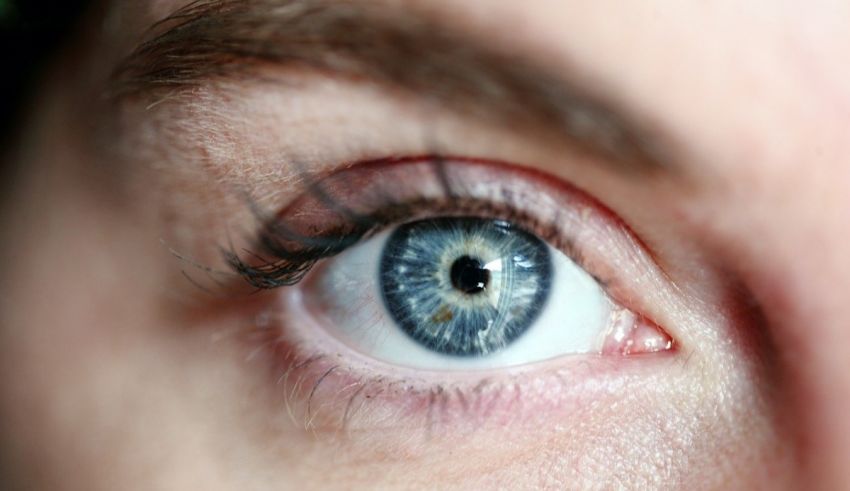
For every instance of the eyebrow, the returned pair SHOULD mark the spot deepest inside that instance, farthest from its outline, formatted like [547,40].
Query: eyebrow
[211,40]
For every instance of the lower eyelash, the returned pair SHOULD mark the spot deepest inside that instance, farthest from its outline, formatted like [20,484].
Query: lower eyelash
[334,395]
[324,397]
[326,394]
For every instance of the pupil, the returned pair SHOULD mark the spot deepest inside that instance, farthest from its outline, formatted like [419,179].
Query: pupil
[469,275]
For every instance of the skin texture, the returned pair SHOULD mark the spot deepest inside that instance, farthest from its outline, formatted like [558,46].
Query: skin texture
[119,373]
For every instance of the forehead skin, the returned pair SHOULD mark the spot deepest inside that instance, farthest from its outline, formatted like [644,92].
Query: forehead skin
[755,97]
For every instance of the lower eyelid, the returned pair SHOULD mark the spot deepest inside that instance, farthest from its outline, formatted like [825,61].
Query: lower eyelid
[327,388]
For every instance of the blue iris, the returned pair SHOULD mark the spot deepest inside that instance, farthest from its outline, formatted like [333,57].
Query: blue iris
[464,286]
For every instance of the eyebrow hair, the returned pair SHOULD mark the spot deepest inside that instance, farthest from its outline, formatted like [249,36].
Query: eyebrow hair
[229,39]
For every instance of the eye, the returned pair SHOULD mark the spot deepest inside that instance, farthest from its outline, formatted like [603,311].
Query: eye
[460,292]
[456,267]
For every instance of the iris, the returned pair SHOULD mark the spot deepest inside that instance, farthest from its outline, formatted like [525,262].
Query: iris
[464,286]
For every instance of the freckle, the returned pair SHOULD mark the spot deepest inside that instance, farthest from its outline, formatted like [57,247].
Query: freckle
[443,315]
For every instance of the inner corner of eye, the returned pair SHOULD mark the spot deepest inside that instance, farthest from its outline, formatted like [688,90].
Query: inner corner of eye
[449,293]
[633,334]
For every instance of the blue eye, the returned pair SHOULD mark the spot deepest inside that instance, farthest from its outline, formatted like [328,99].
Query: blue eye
[464,286]
[453,293]
[498,271]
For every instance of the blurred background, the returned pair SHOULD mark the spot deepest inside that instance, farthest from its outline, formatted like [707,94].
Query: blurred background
[31,33]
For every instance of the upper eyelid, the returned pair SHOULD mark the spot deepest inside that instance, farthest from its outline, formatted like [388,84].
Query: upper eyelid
[291,256]
[293,253]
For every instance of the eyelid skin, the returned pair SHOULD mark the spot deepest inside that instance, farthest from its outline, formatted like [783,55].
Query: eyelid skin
[329,384]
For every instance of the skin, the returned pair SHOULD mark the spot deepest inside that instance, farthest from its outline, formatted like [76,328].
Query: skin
[118,373]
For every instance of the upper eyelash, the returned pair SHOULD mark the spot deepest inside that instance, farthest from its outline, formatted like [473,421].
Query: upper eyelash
[282,257]
[293,255]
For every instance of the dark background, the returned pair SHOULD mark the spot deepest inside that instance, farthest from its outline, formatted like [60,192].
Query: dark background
[31,32]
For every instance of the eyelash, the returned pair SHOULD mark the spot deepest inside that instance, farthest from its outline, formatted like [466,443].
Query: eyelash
[333,398]
[304,378]
[293,255]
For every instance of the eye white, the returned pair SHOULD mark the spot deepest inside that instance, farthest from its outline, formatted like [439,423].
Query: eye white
[573,320]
